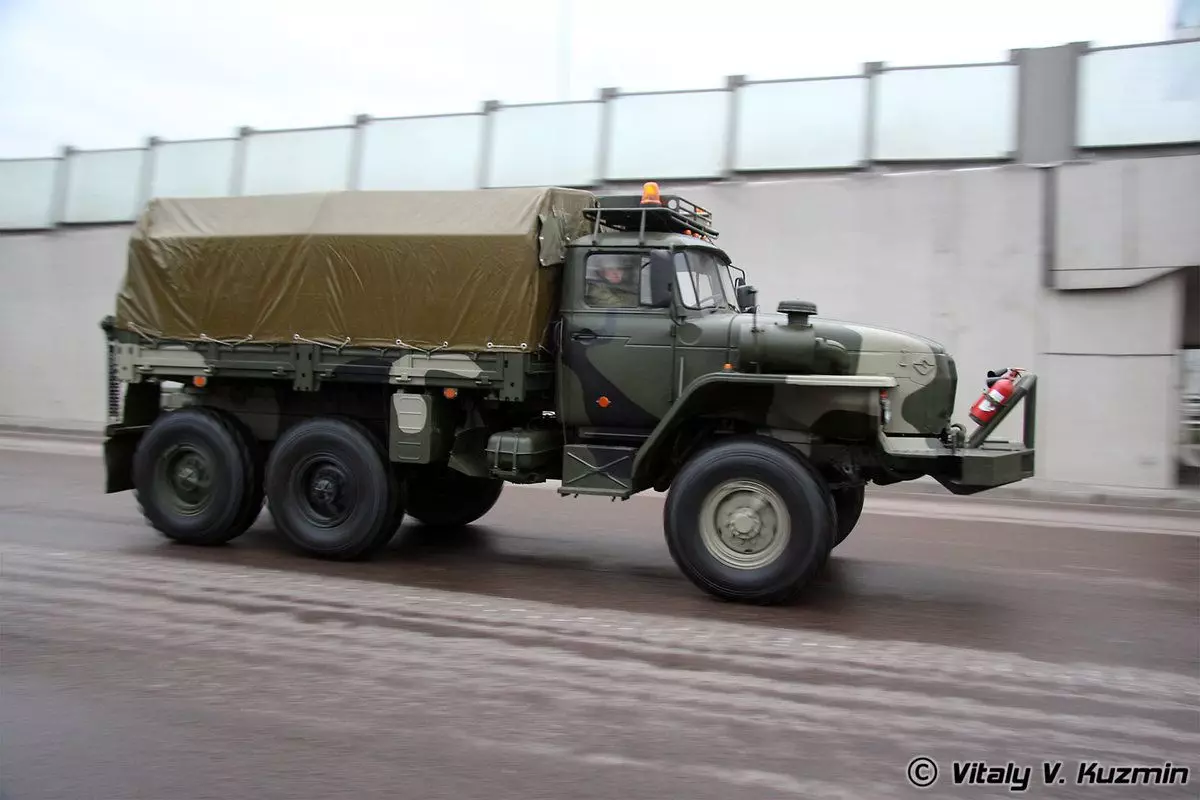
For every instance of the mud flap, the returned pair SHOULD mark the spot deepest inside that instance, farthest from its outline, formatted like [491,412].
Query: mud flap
[120,444]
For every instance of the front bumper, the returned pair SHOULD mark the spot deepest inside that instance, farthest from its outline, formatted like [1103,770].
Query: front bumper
[978,464]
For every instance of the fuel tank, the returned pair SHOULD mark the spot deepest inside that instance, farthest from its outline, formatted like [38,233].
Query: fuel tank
[795,341]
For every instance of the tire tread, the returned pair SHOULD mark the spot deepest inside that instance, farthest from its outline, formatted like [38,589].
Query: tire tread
[383,534]
[847,522]
[479,496]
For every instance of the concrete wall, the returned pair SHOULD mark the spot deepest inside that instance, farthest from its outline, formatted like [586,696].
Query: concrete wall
[909,251]
[56,289]
[958,256]
[1127,221]
[1113,397]
[955,255]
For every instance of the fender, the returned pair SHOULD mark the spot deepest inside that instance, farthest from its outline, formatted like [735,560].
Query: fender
[751,398]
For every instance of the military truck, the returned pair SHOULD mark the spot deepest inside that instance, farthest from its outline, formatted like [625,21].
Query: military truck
[356,358]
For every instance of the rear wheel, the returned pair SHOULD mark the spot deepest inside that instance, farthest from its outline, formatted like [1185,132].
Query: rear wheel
[441,497]
[849,503]
[748,520]
[257,494]
[196,477]
[331,490]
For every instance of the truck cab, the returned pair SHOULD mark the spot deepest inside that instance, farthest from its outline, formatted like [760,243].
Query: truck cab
[660,336]
[643,314]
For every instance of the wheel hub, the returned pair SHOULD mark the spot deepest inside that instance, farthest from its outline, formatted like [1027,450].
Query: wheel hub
[744,524]
[326,491]
[184,479]
[325,488]
[187,476]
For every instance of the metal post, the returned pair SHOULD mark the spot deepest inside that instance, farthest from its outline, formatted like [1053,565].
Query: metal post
[872,70]
[149,171]
[483,180]
[1047,103]
[62,185]
[357,149]
[733,85]
[607,95]
[237,172]
[1029,434]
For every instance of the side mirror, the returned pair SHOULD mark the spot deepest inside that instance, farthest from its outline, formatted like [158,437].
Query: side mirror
[739,282]
[747,296]
[662,278]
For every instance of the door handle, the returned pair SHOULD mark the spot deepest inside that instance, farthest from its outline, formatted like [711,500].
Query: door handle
[583,336]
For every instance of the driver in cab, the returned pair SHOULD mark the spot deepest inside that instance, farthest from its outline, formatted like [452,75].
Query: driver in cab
[613,284]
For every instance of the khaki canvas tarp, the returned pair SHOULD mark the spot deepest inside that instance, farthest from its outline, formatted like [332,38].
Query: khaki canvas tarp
[467,268]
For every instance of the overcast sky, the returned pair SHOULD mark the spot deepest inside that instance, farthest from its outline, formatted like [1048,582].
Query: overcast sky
[109,73]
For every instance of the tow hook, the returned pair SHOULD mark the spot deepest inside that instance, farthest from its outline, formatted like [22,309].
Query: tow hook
[954,436]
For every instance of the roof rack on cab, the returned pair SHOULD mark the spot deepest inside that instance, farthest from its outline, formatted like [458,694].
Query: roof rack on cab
[652,212]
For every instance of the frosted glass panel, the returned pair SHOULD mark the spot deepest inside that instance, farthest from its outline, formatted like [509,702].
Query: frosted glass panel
[423,153]
[298,161]
[193,169]
[1142,95]
[27,193]
[937,114]
[803,125]
[546,145]
[104,186]
[661,136]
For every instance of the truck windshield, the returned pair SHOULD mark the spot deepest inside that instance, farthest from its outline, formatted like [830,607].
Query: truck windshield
[704,280]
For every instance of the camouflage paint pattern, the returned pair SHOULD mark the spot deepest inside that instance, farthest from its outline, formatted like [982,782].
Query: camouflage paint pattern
[923,400]
[838,409]
[420,367]
[137,359]
[632,377]
[624,368]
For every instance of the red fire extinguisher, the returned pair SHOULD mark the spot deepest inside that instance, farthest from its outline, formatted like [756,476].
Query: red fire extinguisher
[994,397]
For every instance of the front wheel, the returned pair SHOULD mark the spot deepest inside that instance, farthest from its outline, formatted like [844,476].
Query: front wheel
[748,520]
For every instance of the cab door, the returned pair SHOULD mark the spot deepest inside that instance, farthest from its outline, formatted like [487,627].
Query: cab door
[616,348]
[708,312]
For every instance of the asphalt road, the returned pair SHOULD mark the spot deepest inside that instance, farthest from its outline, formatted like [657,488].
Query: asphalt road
[555,652]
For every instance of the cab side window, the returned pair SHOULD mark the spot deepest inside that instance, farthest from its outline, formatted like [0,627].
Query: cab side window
[700,278]
[685,280]
[617,280]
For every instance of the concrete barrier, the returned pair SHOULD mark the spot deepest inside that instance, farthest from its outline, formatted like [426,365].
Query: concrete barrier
[957,255]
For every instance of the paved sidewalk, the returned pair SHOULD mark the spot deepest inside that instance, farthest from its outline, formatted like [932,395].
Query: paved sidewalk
[84,442]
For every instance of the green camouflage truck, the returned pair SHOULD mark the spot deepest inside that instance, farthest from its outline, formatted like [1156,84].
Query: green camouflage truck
[354,358]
